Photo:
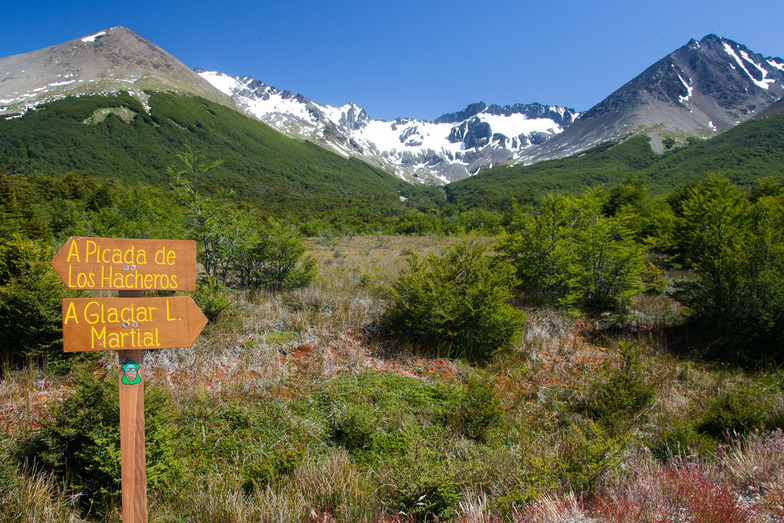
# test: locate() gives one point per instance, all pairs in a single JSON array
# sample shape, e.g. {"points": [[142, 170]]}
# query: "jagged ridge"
{"points": [[449, 148]]}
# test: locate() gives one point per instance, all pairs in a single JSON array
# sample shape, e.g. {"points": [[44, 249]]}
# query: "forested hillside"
{"points": [[114, 137], [746, 153]]}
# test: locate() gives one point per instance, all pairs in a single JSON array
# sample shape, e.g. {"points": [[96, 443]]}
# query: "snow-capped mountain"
{"points": [[701, 89], [449, 148], [112, 60]]}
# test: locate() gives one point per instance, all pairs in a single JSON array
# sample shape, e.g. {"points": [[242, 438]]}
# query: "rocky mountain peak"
{"points": [[110, 60], [700, 89]]}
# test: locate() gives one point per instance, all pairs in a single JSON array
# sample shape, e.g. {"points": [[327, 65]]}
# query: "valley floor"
{"points": [[293, 407]]}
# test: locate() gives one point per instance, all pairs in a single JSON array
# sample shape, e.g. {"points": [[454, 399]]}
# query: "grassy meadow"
{"points": [[293, 406]]}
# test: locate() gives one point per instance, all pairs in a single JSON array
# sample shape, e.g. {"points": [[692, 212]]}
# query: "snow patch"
{"points": [[762, 84], [777, 65], [689, 89], [93, 37]]}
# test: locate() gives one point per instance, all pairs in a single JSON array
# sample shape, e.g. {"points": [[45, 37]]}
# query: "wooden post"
{"points": [[132, 456]]}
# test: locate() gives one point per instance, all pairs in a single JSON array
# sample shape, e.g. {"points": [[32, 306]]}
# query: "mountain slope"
{"points": [[745, 153], [114, 105], [116, 137], [111, 60], [451, 147], [701, 89]]}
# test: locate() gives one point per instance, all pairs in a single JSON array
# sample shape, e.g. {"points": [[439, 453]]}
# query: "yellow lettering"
{"points": [[168, 316], [71, 313], [141, 257], [100, 336], [114, 340], [160, 256], [106, 279], [73, 250], [170, 257], [92, 248], [92, 317]]}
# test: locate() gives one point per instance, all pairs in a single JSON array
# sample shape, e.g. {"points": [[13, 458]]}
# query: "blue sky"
{"points": [[413, 58]]}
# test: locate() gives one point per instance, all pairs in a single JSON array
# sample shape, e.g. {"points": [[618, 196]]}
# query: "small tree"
{"points": [[455, 305], [275, 259], [217, 224], [541, 251], [737, 251], [609, 262], [30, 298], [570, 254]]}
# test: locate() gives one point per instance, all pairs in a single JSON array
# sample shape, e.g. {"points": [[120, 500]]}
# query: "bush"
{"points": [[588, 456], [271, 468], [570, 254], [479, 409], [737, 251], [741, 408], [623, 394], [276, 260], [81, 441], [454, 305], [212, 297], [426, 492], [30, 303]]}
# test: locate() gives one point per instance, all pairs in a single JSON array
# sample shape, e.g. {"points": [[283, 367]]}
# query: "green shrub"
{"points": [[479, 409], [277, 260], [80, 443], [354, 428], [623, 394], [739, 408], [570, 254], [737, 251], [31, 294], [588, 456], [681, 439], [425, 492], [454, 305], [653, 279], [212, 297], [271, 468]]}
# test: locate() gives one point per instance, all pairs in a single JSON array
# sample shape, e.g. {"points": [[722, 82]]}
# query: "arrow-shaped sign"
{"points": [[130, 323], [122, 264]]}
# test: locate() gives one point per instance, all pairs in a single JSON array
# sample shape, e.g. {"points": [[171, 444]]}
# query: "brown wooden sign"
{"points": [[130, 323], [127, 265]]}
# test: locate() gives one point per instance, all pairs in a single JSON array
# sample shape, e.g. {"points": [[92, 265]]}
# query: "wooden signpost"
{"points": [[120, 264], [129, 324]]}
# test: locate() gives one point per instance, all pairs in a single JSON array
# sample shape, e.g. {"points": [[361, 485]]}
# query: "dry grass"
{"points": [[36, 498], [273, 346]]}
